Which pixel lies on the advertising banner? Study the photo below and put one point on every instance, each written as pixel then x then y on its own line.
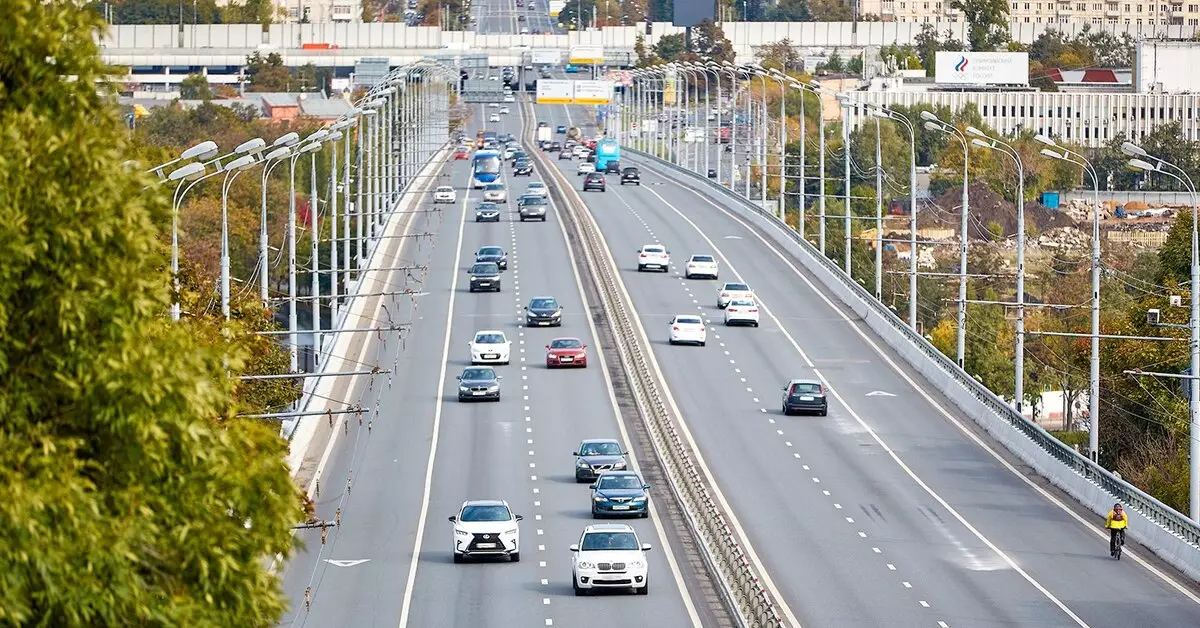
pixel 670 94
pixel 620 77
pixel 546 57
pixel 556 7
pixel 586 55
pixel 592 92
pixel 554 92
pixel 982 68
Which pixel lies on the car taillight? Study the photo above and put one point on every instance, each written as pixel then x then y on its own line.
pixel 731 309
pixel 675 328
pixel 754 310
pixel 724 294
pixel 642 255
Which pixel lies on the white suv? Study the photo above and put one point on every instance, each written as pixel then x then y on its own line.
pixel 444 194
pixel 486 527
pixel 654 256
pixel 610 556
pixel 536 187
pixel 490 346
pixel 701 266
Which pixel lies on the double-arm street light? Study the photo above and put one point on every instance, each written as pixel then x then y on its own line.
pixel 933 123
pixel 884 112
pixel 1054 151
pixel 1145 162
pixel 982 140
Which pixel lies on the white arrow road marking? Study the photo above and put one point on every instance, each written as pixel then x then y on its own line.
pixel 346 563
pixel 733 237
pixel 879 393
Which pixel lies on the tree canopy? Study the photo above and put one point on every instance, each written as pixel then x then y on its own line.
pixel 987 23
pixel 130 496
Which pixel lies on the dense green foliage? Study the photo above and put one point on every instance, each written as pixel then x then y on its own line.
pixel 128 495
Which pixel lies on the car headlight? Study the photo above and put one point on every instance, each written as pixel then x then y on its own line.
pixel 512 531
pixel 619 465
pixel 583 464
pixel 556 315
pixel 460 532
pixel 494 388
pixel 549 356
pixel 599 499
pixel 463 387
pixel 639 500
pixel 587 565
pixel 637 564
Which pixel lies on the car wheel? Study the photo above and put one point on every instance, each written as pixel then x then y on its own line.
pixel 458 558
pixel 543 219
pixel 505 363
pixel 639 184
pixel 687 275
pixel 671 341
pixel 579 591
pixel 641 268
pixel 756 324
pixel 824 412
pixel 645 590
pixel 701 343
pixel 595 515
pixel 783 410
pixel 515 557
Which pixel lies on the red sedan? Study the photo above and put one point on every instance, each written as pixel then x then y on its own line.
pixel 461 154
pixel 566 352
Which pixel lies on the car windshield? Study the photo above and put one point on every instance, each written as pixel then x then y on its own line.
pixel 489 339
pixel 600 449
pixel 485 513
pixel 631 171
pixel 566 343
pixel 737 286
pixel 521 163
pixel 485 269
pixel 806 388
pixel 653 249
pixel 600 541
pixel 688 320
pixel 495 187
pixel 486 206
pixel 479 374
pixel 491 250
pixel 620 482
pixel 702 258
pixel 533 200
pixel 536 185
pixel 543 304
pixel 445 188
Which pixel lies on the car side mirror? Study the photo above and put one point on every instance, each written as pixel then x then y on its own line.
pixel 458 377
pixel 548 346
pixel 519 517
pixel 645 487
pixel 646 547
pixel 574 453
pixel 527 307
pixel 453 518
pixel 585 346
pixel 574 547
pixel 592 486
pixel 499 377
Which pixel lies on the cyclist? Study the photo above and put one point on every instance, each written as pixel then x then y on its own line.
pixel 1116 522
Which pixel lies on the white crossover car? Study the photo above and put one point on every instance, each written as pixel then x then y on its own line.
pixel 486 527
pixel 581 150
pixel 495 193
pixel 490 347
pixel 495 117
pixel 654 256
pixel 536 188
pixel 731 290
pixel 504 110
pixel 688 328
pixel 741 312
pixel 701 266
pixel 610 556
pixel 586 167
pixel 444 194
pixel 509 98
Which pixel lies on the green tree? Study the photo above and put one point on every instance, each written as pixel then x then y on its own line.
pixel 789 11
pixel 661 10
pixel 577 14
pixel 709 42
pixel 671 47
pixel 645 57
pixel 830 11
pixel 1175 256
pixel 162 12
pixel 833 64
pixel 267 74
pixel 195 87
pixel 130 496
pixel 928 43
pixel 987 20
pixel 779 55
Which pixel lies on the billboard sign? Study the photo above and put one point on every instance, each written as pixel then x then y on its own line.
pixel 554 92
pixel 620 77
pixel 556 7
pixel 546 57
pixel 670 93
pixel 982 68
pixel 592 92
pixel 586 55
pixel 692 12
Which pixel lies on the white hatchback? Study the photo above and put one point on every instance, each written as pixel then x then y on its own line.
pixel 586 167
pixel 654 256
pixel 495 193
pixel 444 194
pixel 536 188
pixel 688 328
pixel 701 266
pixel 490 347
pixel 495 117
pixel 741 311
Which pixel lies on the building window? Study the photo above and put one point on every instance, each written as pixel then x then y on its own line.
pixel 1193 8
pixel 1193 22
pixel 1127 8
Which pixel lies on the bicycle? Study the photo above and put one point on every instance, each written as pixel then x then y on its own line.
pixel 1118 543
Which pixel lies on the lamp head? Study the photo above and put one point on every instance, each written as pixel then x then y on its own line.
pixel 980 143
pixel 245 161
pixel 317 136
pixel 335 136
pixel 250 147
pixel 1141 165
pixel 1133 150
pixel 933 126
pixel 976 132
pixel 286 139
pixel 190 172
pixel 928 115
pixel 279 153
pixel 1045 139
pixel 308 148
pixel 203 150
pixel 1052 154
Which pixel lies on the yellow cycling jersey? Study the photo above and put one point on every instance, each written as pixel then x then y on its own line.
pixel 1116 524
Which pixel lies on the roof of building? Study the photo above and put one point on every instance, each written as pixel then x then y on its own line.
pixel 324 108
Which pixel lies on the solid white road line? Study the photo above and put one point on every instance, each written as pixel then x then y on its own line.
pixel 875 436
pixel 406 606
pixel 1089 525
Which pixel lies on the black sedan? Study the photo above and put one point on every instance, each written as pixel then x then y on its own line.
pixel 543 311
pixel 485 276
pixel 492 254
pixel 522 167
pixel 631 175
pixel 479 383
pixel 804 395
pixel 593 181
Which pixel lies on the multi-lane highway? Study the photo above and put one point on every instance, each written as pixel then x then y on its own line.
pixel 427 452
pixel 891 510
pixel 504 17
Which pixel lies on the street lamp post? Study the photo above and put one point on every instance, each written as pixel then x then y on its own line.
pixel 896 116
pixel 1064 154
pixel 983 141
pixel 933 123
pixel 293 322
pixel 282 149
pixel 233 169
pixel 1147 163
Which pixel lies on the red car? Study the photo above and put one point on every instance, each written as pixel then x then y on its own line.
pixel 461 154
pixel 566 352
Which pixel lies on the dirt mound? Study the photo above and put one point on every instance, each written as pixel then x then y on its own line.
pixel 986 207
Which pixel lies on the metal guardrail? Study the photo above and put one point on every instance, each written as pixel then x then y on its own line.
pixel 1144 504
pixel 738 577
